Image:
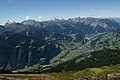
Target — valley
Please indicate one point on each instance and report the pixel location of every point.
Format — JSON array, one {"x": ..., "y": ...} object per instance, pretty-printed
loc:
[
  {"x": 59, "y": 39},
  {"x": 65, "y": 49}
]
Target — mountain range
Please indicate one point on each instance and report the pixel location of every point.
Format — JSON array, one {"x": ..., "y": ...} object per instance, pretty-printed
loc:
[{"x": 59, "y": 44}]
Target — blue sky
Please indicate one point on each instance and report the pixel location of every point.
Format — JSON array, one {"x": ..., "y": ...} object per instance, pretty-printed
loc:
[{"x": 17, "y": 10}]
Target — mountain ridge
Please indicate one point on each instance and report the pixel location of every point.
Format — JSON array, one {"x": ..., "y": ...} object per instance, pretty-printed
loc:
[{"x": 54, "y": 42}]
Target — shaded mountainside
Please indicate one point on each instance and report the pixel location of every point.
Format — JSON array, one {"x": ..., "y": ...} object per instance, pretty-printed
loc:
[
  {"x": 95, "y": 59},
  {"x": 18, "y": 51},
  {"x": 34, "y": 46},
  {"x": 31, "y": 31},
  {"x": 90, "y": 60}
]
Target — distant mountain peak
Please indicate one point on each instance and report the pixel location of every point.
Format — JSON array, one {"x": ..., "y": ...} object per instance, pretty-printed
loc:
[
  {"x": 30, "y": 22},
  {"x": 10, "y": 22}
]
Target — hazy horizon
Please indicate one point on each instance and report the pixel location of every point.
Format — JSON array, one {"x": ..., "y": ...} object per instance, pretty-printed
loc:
[{"x": 19, "y": 10}]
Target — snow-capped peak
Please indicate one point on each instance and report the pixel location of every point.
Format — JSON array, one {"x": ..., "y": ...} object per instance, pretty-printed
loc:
[{"x": 10, "y": 22}]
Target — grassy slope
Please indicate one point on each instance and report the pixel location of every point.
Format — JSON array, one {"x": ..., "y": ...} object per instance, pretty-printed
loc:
[{"x": 93, "y": 72}]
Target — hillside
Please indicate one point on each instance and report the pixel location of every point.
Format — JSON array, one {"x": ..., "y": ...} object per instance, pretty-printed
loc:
[
  {"x": 88, "y": 55},
  {"x": 33, "y": 46},
  {"x": 89, "y": 73},
  {"x": 104, "y": 41},
  {"x": 18, "y": 51}
]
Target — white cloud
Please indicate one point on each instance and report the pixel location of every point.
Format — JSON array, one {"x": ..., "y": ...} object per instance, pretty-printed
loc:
[
  {"x": 27, "y": 18},
  {"x": 60, "y": 18},
  {"x": 40, "y": 18},
  {"x": 56, "y": 17}
]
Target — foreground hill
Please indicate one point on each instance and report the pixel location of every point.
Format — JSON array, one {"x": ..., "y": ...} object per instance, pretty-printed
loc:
[{"x": 88, "y": 73}]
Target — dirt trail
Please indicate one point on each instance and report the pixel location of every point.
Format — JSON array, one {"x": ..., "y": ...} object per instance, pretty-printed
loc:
[{"x": 33, "y": 76}]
